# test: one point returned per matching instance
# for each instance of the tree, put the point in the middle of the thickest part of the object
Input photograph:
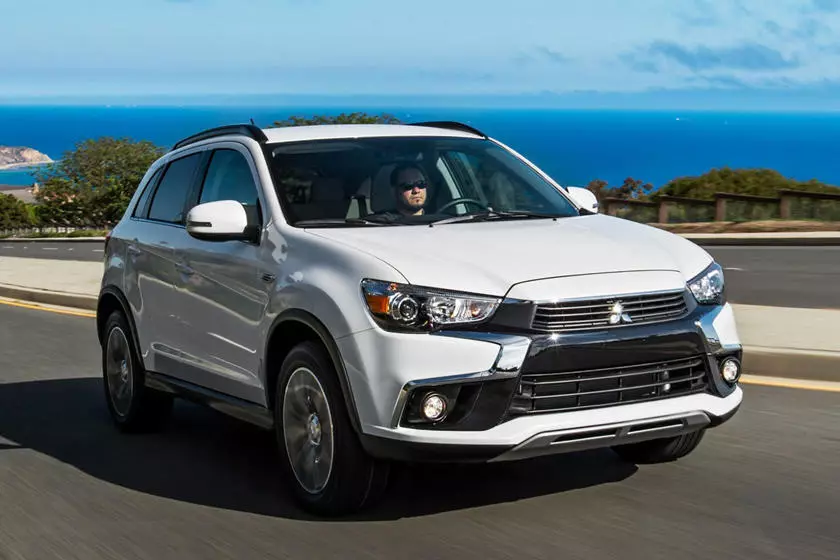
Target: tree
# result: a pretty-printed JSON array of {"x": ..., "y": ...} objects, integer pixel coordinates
[
  {"x": 92, "y": 184},
  {"x": 630, "y": 189},
  {"x": 343, "y": 118},
  {"x": 598, "y": 187},
  {"x": 13, "y": 213}
]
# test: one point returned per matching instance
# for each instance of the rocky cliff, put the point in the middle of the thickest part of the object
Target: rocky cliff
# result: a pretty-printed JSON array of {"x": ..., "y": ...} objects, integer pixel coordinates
[{"x": 21, "y": 156}]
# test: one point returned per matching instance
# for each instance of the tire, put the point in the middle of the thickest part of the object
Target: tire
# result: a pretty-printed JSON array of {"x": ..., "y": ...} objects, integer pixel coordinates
[
  {"x": 660, "y": 450},
  {"x": 141, "y": 409},
  {"x": 329, "y": 471}
]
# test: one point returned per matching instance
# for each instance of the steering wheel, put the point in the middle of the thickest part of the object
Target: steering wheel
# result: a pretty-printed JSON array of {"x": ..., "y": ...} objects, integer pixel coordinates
[{"x": 463, "y": 201}]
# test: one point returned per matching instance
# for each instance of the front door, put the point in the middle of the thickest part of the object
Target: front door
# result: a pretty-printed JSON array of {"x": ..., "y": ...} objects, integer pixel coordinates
[{"x": 225, "y": 287}]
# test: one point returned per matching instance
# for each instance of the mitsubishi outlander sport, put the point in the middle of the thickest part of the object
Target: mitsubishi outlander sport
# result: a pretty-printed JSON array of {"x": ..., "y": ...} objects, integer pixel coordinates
[{"x": 412, "y": 292}]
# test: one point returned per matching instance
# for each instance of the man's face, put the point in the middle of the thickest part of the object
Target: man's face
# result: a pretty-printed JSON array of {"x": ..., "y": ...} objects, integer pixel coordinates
[{"x": 411, "y": 189}]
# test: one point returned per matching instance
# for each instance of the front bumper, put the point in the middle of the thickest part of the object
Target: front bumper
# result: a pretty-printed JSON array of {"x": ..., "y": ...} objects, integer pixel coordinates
[{"x": 387, "y": 369}]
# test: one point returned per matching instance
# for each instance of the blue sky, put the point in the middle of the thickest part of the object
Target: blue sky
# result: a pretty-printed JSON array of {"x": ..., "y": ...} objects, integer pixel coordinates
[{"x": 779, "y": 50}]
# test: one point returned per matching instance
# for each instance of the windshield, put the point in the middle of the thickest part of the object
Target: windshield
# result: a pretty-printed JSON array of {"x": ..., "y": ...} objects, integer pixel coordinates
[{"x": 408, "y": 181}]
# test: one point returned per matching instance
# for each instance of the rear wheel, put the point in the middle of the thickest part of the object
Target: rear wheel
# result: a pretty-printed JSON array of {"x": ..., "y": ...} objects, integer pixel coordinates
[
  {"x": 660, "y": 450},
  {"x": 133, "y": 406},
  {"x": 322, "y": 458}
]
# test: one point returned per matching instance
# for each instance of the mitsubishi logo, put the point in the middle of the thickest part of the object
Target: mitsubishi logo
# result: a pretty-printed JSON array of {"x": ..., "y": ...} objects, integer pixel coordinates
[{"x": 617, "y": 314}]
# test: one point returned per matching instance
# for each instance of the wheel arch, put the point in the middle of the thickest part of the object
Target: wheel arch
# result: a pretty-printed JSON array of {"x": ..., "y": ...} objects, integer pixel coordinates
[
  {"x": 112, "y": 299},
  {"x": 290, "y": 328}
]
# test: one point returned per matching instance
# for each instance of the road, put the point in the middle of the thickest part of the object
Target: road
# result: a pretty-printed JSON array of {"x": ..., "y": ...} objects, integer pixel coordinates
[
  {"x": 59, "y": 250},
  {"x": 764, "y": 486},
  {"x": 805, "y": 277}
]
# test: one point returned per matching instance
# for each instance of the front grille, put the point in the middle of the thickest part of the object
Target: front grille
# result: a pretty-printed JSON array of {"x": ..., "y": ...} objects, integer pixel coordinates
[
  {"x": 595, "y": 388},
  {"x": 609, "y": 312}
]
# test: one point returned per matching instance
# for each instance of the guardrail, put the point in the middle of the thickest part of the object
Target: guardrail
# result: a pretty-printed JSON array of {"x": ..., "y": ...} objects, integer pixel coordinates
[{"x": 789, "y": 205}]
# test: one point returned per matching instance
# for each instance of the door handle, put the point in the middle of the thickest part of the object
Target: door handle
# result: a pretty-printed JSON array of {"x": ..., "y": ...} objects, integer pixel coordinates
[{"x": 132, "y": 250}]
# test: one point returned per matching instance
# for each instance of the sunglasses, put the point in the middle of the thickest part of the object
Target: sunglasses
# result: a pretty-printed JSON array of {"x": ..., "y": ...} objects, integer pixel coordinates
[{"x": 420, "y": 184}]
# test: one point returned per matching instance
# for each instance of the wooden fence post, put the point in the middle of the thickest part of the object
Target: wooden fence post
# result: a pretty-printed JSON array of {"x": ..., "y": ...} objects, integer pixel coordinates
[
  {"x": 663, "y": 212},
  {"x": 720, "y": 210},
  {"x": 784, "y": 207}
]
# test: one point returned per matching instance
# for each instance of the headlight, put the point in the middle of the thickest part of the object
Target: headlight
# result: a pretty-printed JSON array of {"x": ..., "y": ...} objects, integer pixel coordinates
[
  {"x": 707, "y": 287},
  {"x": 401, "y": 306}
]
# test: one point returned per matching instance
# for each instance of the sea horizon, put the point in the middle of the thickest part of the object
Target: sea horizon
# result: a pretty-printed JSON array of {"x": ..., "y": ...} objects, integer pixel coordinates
[{"x": 573, "y": 145}]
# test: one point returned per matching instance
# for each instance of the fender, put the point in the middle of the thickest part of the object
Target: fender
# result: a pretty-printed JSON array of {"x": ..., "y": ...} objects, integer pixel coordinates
[
  {"x": 306, "y": 318},
  {"x": 126, "y": 309}
]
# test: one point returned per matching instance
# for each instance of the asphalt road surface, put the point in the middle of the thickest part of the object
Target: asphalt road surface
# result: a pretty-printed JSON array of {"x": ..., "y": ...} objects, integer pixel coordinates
[
  {"x": 805, "y": 277},
  {"x": 59, "y": 250},
  {"x": 763, "y": 486}
]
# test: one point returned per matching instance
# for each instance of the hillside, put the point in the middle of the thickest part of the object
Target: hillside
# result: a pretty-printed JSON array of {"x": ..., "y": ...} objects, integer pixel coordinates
[
  {"x": 21, "y": 157},
  {"x": 759, "y": 182}
]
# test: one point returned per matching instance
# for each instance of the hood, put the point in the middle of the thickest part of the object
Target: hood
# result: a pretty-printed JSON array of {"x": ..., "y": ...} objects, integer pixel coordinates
[{"x": 492, "y": 257}]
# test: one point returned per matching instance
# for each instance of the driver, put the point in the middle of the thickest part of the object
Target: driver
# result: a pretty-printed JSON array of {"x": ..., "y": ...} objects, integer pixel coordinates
[{"x": 410, "y": 187}]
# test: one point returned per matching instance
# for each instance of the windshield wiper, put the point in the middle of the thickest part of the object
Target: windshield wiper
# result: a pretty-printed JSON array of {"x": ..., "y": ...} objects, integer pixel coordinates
[
  {"x": 494, "y": 214},
  {"x": 371, "y": 220}
]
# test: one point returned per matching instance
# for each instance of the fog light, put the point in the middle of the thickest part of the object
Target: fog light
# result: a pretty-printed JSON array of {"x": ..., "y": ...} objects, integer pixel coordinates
[
  {"x": 731, "y": 370},
  {"x": 434, "y": 406}
]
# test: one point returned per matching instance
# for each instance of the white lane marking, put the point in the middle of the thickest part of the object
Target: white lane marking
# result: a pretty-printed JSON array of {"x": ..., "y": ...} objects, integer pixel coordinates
[
  {"x": 99, "y": 250},
  {"x": 49, "y": 248},
  {"x": 8, "y": 247},
  {"x": 734, "y": 268},
  {"x": 70, "y": 249}
]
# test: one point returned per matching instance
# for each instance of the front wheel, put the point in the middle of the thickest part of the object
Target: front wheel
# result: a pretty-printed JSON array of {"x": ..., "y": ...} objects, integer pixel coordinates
[
  {"x": 660, "y": 450},
  {"x": 328, "y": 469}
]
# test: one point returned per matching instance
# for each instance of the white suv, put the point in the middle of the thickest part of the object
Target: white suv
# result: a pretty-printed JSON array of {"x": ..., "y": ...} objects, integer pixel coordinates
[{"x": 380, "y": 293}]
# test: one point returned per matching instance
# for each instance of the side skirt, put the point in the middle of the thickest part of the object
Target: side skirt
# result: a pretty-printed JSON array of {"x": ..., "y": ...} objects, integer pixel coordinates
[{"x": 232, "y": 406}]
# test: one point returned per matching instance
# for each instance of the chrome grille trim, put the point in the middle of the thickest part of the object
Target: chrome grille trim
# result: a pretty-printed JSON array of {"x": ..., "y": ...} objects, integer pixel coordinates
[{"x": 595, "y": 313}]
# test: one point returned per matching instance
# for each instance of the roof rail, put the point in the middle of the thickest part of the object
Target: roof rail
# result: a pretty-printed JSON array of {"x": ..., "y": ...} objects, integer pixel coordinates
[
  {"x": 249, "y": 130},
  {"x": 451, "y": 125}
]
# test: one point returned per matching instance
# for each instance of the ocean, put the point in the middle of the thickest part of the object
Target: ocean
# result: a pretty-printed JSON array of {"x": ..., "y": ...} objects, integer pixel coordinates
[{"x": 573, "y": 146}]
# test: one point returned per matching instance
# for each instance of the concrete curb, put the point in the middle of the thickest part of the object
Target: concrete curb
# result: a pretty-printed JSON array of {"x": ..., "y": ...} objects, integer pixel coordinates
[
  {"x": 764, "y": 241},
  {"x": 64, "y": 299},
  {"x": 790, "y": 363}
]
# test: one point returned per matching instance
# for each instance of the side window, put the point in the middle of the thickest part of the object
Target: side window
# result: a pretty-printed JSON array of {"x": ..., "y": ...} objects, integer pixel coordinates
[
  {"x": 171, "y": 195},
  {"x": 229, "y": 178},
  {"x": 140, "y": 209}
]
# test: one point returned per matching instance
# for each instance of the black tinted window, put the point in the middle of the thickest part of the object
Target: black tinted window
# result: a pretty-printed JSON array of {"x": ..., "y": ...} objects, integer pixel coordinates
[
  {"x": 229, "y": 178},
  {"x": 139, "y": 210},
  {"x": 171, "y": 195}
]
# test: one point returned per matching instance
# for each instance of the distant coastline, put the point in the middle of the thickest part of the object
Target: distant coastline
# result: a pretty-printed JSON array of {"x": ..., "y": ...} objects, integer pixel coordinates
[{"x": 23, "y": 165}]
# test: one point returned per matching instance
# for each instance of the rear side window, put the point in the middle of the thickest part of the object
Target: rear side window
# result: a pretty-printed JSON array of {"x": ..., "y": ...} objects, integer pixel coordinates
[
  {"x": 140, "y": 209},
  {"x": 170, "y": 198}
]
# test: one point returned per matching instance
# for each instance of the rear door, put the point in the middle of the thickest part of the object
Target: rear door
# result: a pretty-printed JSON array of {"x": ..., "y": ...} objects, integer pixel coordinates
[{"x": 160, "y": 228}]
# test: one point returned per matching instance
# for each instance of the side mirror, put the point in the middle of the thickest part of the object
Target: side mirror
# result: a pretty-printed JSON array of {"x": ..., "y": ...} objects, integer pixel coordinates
[
  {"x": 222, "y": 220},
  {"x": 584, "y": 198}
]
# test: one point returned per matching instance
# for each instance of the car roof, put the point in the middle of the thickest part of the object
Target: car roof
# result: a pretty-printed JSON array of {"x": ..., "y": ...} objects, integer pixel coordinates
[{"x": 345, "y": 131}]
